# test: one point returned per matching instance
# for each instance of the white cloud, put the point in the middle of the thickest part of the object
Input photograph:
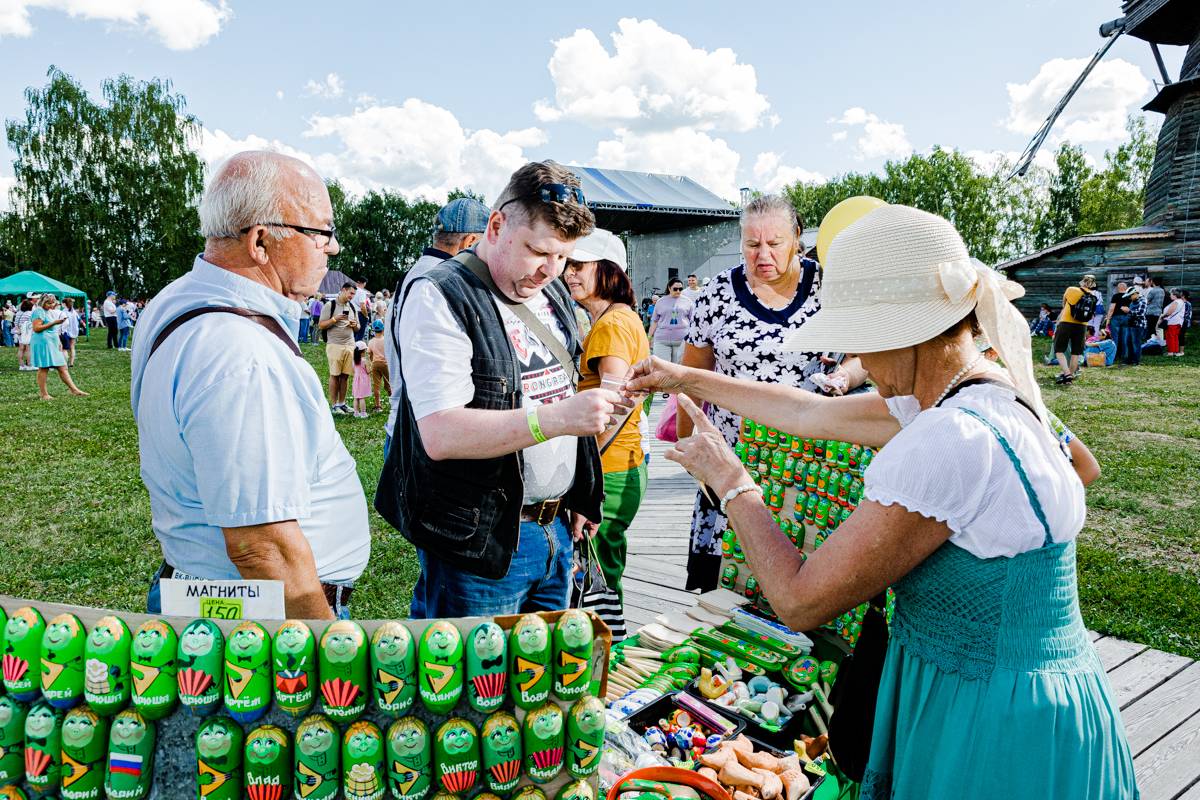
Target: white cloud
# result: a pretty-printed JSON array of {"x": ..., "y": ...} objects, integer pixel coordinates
[
  {"x": 279, "y": 94},
  {"x": 686, "y": 151},
  {"x": 771, "y": 175},
  {"x": 7, "y": 182},
  {"x": 989, "y": 161},
  {"x": 329, "y": 88},
  {"x": 217, "y": 145},
  {"x": 877, "y": 139},
  {"x": 654, "y": 80},
  {"x": 1096, "y": 113},
  {"x": 179, "y": 24}
]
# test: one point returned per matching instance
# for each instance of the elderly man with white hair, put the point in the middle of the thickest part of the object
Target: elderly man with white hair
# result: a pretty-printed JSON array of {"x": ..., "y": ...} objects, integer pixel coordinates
[{"x": 229, "y": 413}]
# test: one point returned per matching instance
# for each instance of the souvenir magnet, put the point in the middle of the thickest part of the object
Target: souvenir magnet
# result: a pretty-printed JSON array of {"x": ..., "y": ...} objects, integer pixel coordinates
[
  {"x": 343, "y": 669},
  {"x": 530, "y": 792},
  {"x": 393, "y": 668},
  {"x": 152, "y": 665},
  {"x": 501, "y": 746},
  {"x": 12, "y": 740},
  {"x": 43, "y": 748},
  {"x": 543, "y": 737},
  {"x": 576, "y": 790},
  {"x": 573, "y": 637},
  {"x": 487, "y": 667},
  {"x": 248, "y": 672},
  {"x": 62, "y": 661},
  {"x": 219, "y": 759},
  {"x": 267, "y": 764},
  {"x": 129, "y": 773},
  {"x": 440, "y": 667},
  {"x": 317, "y": 759},
  {"x": 200, "y": 665},
  {"x": 106, "y": 684},
  {"x": 585, "y": 736},
  {"x": 84, "y": 742},
  {"x": 294, "y": 662},
  {"x": 456, "y": 755},
  {"x": 362, "y": 762},
  {"x": 410, "y": 759},
  {"x": 22, "y": 649},
  {"x": 529, "y": 661}
]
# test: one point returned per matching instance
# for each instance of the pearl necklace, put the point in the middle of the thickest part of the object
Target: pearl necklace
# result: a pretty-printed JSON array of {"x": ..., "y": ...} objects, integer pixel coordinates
[{"x": 957, "y": 377}]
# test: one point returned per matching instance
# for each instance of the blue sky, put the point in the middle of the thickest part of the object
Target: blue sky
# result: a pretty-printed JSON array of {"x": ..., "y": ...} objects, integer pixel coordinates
[{"x": 397, "y": 95}]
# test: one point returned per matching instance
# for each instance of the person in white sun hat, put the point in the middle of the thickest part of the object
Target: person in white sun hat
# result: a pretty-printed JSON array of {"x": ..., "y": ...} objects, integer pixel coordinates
[{"x": 970, "y": 514}]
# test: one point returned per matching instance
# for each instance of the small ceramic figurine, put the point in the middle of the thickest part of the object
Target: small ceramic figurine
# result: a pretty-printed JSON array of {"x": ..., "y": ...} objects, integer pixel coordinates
[
  {"x": 585, "y": 736},
  {"x": 529, "y": 661},
  {"x": 317, "y": 758},
  {"x": 62, "y": 661},
  {"x": 106, "y": 684},
  {"x": 200, "y": 661},
  {"x": 12, "y": 740},
  {"x": 410, "y": 759},
  {"x": 439, "y": 667},
  {"x": 393, "y": 669},
  {"x": 248, "y": 672},
  {"x": 487, "y": 667},
  {"x": 529, "y": 792},
  {"x": 573, "y": 637},
  {"x": 362, "y": 762},
  {"x": 294, "y": 664},
  {"x": 43, "y": 748},
  {"x": 267, "y": 762},
  {"x": 501, "y": 748},
  {"x": 456, "y": 755},
  {"x": 22, "y": 649},
  {"x": 152, "y": 664},
  {"x": 542, "y": 738},
  {"x": 342, "y": 666},
  {"x": 129, "y": 773},
  {"x": 576, "y": 790},
  {"x": 219, "y": 759},
  {"x": 84, "y": 742}
]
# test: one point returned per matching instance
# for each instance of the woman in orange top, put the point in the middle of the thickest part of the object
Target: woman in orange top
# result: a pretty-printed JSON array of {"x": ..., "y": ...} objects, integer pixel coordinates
[{"x": 596, "y": 276}]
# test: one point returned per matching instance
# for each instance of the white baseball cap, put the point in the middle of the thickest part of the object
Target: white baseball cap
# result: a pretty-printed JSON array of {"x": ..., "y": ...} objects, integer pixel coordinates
[{"x": 601, "y": 245}]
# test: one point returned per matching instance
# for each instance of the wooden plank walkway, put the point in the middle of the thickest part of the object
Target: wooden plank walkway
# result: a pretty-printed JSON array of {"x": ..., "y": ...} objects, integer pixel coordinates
[{"x": 1159, "y": 693}]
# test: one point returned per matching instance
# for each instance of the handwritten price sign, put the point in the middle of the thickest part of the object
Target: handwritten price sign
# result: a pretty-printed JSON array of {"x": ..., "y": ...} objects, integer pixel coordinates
[
  {"x": 252, "y": 599},
  {"x": 220, "y": 608}
]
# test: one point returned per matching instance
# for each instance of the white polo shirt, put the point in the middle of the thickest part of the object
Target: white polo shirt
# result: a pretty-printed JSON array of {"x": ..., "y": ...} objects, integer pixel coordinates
[{"x": 233, "y": 430}]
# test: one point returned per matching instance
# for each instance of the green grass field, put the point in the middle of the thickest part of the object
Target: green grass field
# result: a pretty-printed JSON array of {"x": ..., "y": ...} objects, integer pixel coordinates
[{"x": 77, "y": 519}]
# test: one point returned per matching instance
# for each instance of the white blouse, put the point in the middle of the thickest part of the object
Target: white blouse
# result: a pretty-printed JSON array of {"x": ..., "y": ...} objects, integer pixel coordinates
[{"x": 947, "y": 465}]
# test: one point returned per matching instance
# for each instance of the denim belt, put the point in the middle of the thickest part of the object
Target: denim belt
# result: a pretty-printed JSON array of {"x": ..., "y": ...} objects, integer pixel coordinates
[
  {"x": 542, "y": 513},
  {"x": 336, "y": 595}
]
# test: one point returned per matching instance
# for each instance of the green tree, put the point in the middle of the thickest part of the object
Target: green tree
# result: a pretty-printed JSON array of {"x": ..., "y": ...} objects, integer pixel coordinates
[
  {"x": 1113, "y": 198},
  {"x": 381, "y": 234},
  {"x": 9, "y": 258},
  {"x": 1060, "y": 220}
]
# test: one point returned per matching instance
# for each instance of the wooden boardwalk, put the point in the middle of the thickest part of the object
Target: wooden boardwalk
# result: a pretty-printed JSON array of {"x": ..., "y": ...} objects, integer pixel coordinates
[{"x": 1159, "y": 693}]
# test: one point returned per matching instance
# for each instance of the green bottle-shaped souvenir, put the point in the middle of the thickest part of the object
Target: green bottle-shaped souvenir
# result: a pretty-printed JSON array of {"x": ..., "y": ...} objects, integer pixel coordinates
[
  {"x": 129, "y": 774},
  {"x": 12, "y": 740},
  {"x": 542, "y": 739},
  {"x": 294, "y": 659},
  {"x": 487, "y": 667},
  {"x": 501, "y": 747},
  {"x": 43, "y": 748},
  {"x": 573, "y": 637},
  {"x": 439, "y": 667},
  {"x": 529, "y": 792},
  {"x": 84, "y": 743},
  {"x": 410, "y": 759},
  {"x": 219, "y": 759},
  {"x": 585, "y": 736},
  {"x": 362, "y": 762},
  {"x": 62, "y": 661},
  {"x": 318, "y": 759},
  {"x": 456, "y": 755},
  {"x": 200, "y": 661},
  {"x": 729, "y": 574},
  {"x": 529, "y": 661},
  {"x": 22, "y": 649},
  {"x": 106, "y": 682},
  {"x": 343, "y": 670},
  {"x": 152, "y": 664},
  {"x": 576, "y": 790},
  {"x": 248, "y": 671},
  {"x": 393, "y": 668},
  {"x": 267, "y": 764}
]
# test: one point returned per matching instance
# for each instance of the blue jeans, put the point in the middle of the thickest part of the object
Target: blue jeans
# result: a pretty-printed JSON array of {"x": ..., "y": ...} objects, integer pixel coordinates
[
  {"x": 539, "y": 579},
  {"x": 1133, "y": 344},
  {"x": 154, "y": 597},
  {"x": 1116, "y": 327},
  {"x": 7, "y": 334},
  {"x": 122, "y": 337},
  {"x": 303, "y": 329}
]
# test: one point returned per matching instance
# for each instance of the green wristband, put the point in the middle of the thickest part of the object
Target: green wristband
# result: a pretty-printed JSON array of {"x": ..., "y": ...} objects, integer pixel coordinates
[{"x": 531, "y": 416}]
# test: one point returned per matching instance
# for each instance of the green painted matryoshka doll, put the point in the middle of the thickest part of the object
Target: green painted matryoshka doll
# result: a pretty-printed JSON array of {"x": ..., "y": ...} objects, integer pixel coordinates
[
  {"x": 219, "y": 759},
  {"x": 529, "y": 661},
  {"x": 106, "y": 681},
  {"x": 12, "y": 740},
  {"x": 529, "y": 792},
  {"x": 343, "y": 669},
  {"x": 576, "y": 790},
  {"x": 248, "y": 672},
  {"x": 84, "y": 743},
  {"x": 410, "y": 759},
  {"x": 501, "y": 746},
  {"x": 129, "y": 774},
  {"x": 573, "y": 637},
  {"x": 487, "y": 667},
  {"x": 393, "y": 669},
  {"x": 62, "y": 661},
  {"x": 294, "y": 660},
  {"x": 362, "y": 762},
  {"x": 446, "y": 796},
  {"x": 43, "y": 748},
  {"x": 439, "y": 667},
  {"x": 200, "y": 660},
  {"x": 542, "y": 737},
  {"x": 317, "y": 759},
  {"x": 456, "y": 755},
  {"x": 152, "y": 664},
  {"x": 22, "y": 648},
  {"x": 267, "y": 764},
  {"x": 585, "y": 736}
]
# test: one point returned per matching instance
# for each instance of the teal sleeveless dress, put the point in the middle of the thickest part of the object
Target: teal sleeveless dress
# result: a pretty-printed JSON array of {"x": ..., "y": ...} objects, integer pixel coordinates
[{"x": 991, "y": 687}]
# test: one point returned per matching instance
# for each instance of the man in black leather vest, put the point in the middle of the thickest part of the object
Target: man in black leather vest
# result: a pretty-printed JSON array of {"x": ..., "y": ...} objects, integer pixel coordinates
[{"x": 493, "y": 465}]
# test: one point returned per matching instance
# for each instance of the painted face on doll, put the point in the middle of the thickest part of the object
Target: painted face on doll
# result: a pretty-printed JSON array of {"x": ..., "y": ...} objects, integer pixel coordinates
[
  {"x": 341, "y": 644},
  {"x": 104, "y": 637},
  {"x": 197, "y": 640},
  {"x": 547, "y": 725},
  {"x": 575, "y": 631},
  {"x": 246, "y": 642},
  {"x": 60, "y": 631},
  {"x": 503, "y": 739},
  {"x": 40, "y": 722},
  {"x": 315, "y": 740},
  {"x": 590, "y": 718},
  {"x": 532, "y": 638},
  {"x": 214, "y": 741},
  {"x": 391, "y": 646},
  {"x": 488, "y": 641},
  {"x": 362, "y": 745},
  {"x": 149, "y": 642},
  {"x": 263, "y": 748},
  {"x": 128, "y": 730},
  {"x": 16, "y": 629},
  {"x": 6, "y": 711},
  {"x": 458, "y": 739},
  {"x": 441, "y": 643},
  {"x": 290, "y": 639},
  {"x": 78, "y": 730}
]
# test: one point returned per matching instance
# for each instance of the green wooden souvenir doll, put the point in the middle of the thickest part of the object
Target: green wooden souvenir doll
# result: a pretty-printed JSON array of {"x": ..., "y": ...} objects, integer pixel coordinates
[
  {"x": 22, "y": 649},
  {"x": 456, "y": 755},
  {"x": 486, "y": 796},
  {"x": 43, "y": 748},
  {"x": 106, "y": 681},
  {"x": 572, "y": 654},
  {"x": 294, "y": 658},
  {"x": 501, "y": 746},
  {"x": 362, "y": 762},
  {"x": 439, "y": 667},
  {"x": 62, "y": 661},
  {"x": 446, "y": 796},
  {"x": 585, "y": 736},
  {"x": 268, "y": 764},
  {"x": 529, "y": 792},
  {"x": 12, "y": 740},
  {"x": 487, "y": 667},
  {"x": 152, "y": 665},
  {"x": 130, "y": 769},
  {"x": 529, "y": 661},
  {"x": 84, "y": 743},
  {"x": 248, "y": 672},
  {"x": 219, "y": 759},
  {"x": 410, "y": 759},
  {"x": 576, "y": 790},
  {"x": 317, "y": 757},
  {"x": 343, "y": 669},
  {"x": 200, "y": 661},
  {"x": 393, "y": 669},
  {"x": 542, "y": 739}
]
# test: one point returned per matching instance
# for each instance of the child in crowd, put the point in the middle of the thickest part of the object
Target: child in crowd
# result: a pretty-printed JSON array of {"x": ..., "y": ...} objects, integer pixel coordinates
[
  {"x": 379, "y": 365},
  {"x": 1041, "y": 325},
  {"x": 362, "y": 380}
]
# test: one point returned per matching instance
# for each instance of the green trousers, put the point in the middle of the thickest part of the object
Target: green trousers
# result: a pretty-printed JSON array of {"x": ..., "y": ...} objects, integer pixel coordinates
[{"x": 623, "y": 493}]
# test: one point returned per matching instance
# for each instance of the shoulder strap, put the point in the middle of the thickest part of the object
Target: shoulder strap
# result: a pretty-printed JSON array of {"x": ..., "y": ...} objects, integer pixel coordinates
[
  {"x": 480, "y": 270},
  {"x": 265, "y": 320},
  {"x": 806, "y": 282}
]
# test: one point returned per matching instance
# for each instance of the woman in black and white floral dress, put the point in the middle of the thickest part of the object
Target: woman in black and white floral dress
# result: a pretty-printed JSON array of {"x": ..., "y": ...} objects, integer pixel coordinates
[{"x": 742, "y": 317}]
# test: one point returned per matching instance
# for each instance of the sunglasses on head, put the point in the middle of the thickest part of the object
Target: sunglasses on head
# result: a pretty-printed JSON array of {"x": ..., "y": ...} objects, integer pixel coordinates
[{"x": 555, "y": 193}]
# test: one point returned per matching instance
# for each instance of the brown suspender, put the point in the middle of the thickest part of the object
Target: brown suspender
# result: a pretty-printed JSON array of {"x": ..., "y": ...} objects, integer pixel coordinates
[{"x": 265, "y": 320}]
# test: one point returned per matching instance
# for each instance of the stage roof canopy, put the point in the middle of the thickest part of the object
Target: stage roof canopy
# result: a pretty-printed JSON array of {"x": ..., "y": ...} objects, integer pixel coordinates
[{"x": 644, "y": 202}]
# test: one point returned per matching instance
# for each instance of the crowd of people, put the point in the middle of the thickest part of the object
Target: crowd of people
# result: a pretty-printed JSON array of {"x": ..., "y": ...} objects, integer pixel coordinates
[{"x": 43, "y": 330}]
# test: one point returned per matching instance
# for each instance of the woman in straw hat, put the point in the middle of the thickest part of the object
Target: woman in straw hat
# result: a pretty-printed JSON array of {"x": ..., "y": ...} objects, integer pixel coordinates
[{"x": 970, "y": 513}]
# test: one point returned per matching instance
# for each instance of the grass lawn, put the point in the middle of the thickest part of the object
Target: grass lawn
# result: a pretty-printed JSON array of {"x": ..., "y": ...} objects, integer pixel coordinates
[{"x": 77, "y": 527}]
